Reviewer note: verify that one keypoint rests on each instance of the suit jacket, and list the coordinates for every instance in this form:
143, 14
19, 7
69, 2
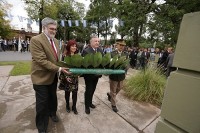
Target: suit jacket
43, 68
91, 50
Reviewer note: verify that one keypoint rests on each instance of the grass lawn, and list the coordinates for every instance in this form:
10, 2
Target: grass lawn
20, 67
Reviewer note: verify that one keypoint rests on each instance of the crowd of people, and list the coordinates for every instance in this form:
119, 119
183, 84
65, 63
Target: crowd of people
140, 58
45, 73
14, 44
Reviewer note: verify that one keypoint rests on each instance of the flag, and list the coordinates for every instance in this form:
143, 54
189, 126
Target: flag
29, 21
121, 23
70, 23
10, 16
76, 22
84, 23
37, 22
101, 23
60, 43
19, 45
110, 23
20, 18
62, 23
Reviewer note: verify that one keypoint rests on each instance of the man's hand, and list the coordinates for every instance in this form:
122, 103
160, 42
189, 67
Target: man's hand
65, 70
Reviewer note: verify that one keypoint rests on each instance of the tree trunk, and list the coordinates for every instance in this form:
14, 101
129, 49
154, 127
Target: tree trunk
41, 14
136, 37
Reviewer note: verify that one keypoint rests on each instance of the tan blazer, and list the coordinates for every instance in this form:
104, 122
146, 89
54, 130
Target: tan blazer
43, 68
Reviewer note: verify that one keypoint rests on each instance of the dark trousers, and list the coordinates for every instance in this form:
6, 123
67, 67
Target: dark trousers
90, 86
46, 103
74, 97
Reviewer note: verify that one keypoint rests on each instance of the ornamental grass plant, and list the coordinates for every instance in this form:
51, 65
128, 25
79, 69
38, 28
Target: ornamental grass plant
147, 85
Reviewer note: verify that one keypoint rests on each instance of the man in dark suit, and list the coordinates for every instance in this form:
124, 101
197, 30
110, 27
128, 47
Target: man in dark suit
133, 57
45, 53
91, 79
144, 58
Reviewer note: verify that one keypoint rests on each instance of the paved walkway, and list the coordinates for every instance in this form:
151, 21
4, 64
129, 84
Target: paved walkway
14, 56
17, 110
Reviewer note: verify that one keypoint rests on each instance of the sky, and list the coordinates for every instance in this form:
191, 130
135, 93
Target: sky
18, 10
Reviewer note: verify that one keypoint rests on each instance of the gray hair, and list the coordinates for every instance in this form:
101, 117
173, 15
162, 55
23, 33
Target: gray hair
93, 36
46, 21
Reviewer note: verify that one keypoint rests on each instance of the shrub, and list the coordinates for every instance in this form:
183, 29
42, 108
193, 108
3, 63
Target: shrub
147, 85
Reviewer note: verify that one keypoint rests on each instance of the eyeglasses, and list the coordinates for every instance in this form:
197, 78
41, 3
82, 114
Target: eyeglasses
53, 29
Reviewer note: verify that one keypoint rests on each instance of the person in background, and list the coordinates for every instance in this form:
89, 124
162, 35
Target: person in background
163, 59
169, 63
27, 45
116, 80
15, 43
69, 83
144, 59
91, 80
133, 57
45, 53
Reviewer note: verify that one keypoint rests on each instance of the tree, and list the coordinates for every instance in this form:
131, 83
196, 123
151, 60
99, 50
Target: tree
134, 13
59, 10
167, 18
100, 17
5, 29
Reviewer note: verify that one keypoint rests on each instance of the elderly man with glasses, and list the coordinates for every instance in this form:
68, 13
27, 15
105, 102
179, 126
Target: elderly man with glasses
45, 53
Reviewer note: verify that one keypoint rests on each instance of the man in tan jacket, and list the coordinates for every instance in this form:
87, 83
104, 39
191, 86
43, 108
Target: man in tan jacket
44, 49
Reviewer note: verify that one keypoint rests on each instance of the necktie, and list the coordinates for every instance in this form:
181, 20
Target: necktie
55, 54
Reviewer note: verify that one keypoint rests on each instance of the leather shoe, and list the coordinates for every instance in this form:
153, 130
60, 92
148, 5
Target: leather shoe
114, 108
74, 110
109, 97
41, 132
87, 110
54, 118
67, 108
92, 106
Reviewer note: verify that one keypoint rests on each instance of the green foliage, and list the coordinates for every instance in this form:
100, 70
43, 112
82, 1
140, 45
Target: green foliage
147, 86
76, 60
5, 29
95, 60
58, 9
106, 59
165, 22
20, 68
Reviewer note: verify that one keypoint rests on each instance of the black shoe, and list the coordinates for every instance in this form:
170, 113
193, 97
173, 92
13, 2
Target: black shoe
109, 97
68, 108
114, 108
87, 110
92, 106
74, 110
54, 118
41, 132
